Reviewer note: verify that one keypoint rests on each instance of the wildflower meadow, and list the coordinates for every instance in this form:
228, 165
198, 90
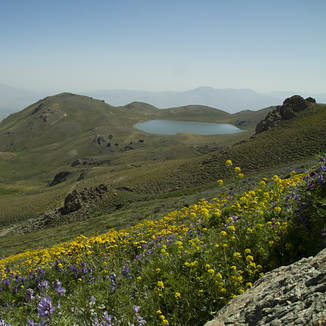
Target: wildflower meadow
179, 270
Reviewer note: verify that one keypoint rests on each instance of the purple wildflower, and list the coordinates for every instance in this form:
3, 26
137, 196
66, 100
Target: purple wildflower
43, 286
125, 271
138, 319
2, 323
29, 295
45, 308
6, 282
58, 288
114, 282
107, 317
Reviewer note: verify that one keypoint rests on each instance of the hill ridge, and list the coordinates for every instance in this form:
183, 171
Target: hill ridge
96, 143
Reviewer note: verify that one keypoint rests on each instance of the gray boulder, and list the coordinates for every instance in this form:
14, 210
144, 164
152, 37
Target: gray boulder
289, 295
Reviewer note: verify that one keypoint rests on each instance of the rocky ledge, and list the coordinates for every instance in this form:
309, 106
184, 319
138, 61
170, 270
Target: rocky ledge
289, 110
289, 295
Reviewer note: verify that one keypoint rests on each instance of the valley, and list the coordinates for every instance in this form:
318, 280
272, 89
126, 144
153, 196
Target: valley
69, 145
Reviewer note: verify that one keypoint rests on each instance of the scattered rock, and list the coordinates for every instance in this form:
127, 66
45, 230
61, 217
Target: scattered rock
99, 140
63, 176
77, 162
76, 199
289, 295
48, 115
125, 188
127, 148
82, 176
89, 161
289, 110
38, 108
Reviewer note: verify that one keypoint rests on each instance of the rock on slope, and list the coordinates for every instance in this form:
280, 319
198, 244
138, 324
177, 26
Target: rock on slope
289, 110
289, 295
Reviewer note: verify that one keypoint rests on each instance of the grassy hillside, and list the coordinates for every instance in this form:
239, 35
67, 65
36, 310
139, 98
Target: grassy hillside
90, 139
52, 134
167, 244
178, 270
296, 140
60, 128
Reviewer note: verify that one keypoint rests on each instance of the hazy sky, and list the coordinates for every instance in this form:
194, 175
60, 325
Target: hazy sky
164, 45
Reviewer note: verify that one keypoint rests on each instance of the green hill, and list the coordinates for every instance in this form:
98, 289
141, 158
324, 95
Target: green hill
67, 144
68, 122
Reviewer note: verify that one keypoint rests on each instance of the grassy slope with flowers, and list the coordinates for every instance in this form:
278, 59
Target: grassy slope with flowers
179, 270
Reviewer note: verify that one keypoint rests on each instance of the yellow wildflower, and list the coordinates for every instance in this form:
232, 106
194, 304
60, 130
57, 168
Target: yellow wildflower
160, 284
236, 255
277, 210
228, 163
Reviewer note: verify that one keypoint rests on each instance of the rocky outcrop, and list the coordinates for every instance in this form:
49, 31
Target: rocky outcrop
289, 110
64, 176
78, 206
127, 148
99, 140
77, 199
48, 115
289, 295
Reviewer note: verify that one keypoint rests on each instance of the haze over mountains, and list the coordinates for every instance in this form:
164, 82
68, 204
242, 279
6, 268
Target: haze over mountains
229, 100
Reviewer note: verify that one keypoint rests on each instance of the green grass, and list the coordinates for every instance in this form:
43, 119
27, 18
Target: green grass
134, 209
4, 191
160, 167
179, 270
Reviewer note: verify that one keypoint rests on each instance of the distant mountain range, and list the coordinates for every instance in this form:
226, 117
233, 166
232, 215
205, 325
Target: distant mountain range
229, 100
14, 99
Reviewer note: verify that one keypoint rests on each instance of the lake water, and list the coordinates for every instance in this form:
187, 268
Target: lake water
173, 127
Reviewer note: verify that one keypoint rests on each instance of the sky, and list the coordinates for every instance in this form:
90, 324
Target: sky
166, 45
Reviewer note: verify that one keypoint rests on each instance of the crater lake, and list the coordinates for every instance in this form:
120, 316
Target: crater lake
173, 127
